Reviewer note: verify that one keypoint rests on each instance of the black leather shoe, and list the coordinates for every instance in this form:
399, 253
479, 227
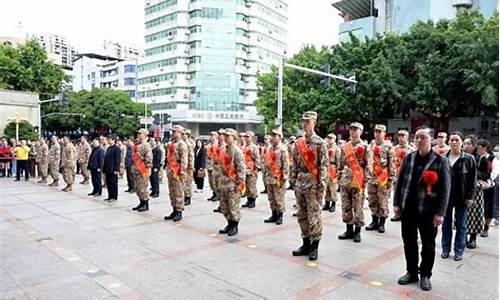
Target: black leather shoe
305, 249
471, 244
112, 200
381, 225
445, 254
484, 233
457, 257
246, 203
155, 196
252, 203
395, 219
408, 278
90, 194
425, 283
97, 195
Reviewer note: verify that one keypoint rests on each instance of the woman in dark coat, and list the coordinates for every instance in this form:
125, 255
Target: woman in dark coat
200, 159
484, 168
462, 196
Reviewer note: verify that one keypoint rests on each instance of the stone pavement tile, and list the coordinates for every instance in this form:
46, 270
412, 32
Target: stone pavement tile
42, 274
35, 258
107, 218
8, 199
6, 282
75, 287
16, 294
64, 207
11, 237
356, 290
25, 211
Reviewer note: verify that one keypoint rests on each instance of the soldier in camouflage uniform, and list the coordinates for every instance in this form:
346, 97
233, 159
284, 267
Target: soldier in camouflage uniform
241, 140
289, 148
221, 141
68, 161
211, 150
177, 162
141, 169
232, 182
400, 151
310, 175
188, 179
263, 151
123, 153
42, 157
381, 175
54, 160
351, 172
162, 159
333, 152
276, 162
83, 159
252, 160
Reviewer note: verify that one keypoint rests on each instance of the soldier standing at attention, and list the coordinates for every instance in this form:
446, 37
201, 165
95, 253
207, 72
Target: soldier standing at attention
211, 149
441, 148
218, 164
54, 160
232, 182
352, 164
68, 160
381, 176
252, 161
188, 178
123, 155
83, 159
276, 161
333, 152
43, 160
177, 161
310, 176
141, 169
401, 150
263, 151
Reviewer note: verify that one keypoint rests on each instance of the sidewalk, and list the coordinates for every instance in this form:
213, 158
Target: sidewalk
56, 245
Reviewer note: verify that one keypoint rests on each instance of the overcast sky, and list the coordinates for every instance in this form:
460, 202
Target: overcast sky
86, 23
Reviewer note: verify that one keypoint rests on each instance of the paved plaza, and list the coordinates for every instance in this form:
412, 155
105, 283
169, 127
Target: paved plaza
56, 245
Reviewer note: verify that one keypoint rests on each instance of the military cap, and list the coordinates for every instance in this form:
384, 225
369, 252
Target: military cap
249, 133
213, 132
267, 137
293, 138
357, 125
310, 115
241, 134
187, 131
221, 131
231, 131
178, 128
276, 132
380, 127
402, 131
331, 136
142, 130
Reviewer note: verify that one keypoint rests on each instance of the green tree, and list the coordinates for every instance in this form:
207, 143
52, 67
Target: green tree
26, 131
27, 68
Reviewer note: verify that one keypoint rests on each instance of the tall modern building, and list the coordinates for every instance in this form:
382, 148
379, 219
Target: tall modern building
201, 59
120, 50
58, 49
367, 18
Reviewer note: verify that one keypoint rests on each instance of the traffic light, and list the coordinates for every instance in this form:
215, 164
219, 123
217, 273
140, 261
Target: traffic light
324, 80
350, 87
156, 119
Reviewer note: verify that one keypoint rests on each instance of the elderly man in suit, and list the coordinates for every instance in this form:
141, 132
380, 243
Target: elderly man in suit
111, 168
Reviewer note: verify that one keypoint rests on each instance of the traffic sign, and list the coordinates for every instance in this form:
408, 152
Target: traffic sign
146, 120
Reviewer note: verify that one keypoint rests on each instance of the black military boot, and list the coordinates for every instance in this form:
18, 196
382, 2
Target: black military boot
144, 207
217, 210
225, 230
170, 217
252, 203
313, 255
279, 219
233, 230
326, 206
272, 218
373, 225
381, 225
212, 197
348, 234
187, 201
305, 249
247, 204
178, 216
141, 202
357, 234
332, 207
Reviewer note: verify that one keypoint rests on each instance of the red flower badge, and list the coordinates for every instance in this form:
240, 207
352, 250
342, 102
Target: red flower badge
430, 177
401, 154
377, 150
330, 152
360, 151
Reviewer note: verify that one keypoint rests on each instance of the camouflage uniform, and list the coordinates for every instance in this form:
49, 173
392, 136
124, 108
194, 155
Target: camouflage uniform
251, 155
42, 158
54, 162
308, 190
162, 159
188, 178
333, 152
263, 150
140, 181
83, 159
210, 168
217, 172
179, 151
400, 152
123, 153
289, 148
441, 150
68, 161
277, 188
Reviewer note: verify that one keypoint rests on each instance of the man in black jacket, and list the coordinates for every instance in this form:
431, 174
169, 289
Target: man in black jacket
112, 168
96, 160
155, 171
421, 199
128, 165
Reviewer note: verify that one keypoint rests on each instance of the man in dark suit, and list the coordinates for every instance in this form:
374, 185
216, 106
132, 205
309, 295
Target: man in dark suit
96, 160
128, 165
111, 168
420, 199
155, 171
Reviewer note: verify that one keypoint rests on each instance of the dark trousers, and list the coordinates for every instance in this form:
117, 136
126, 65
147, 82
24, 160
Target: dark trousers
488, 196
22, 165
112, 185
461, 229
155, 182
411, 225
198, 180
130, 178
96, 181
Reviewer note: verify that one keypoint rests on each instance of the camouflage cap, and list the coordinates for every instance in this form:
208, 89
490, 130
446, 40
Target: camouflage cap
331, 136
293, 138
356, 125
231, 131
213, 132
380, 127
403, 132
310, 115
144, 131
241, 134
267, 137
221, 131
249, 133
276, 132
178, 128
187, 131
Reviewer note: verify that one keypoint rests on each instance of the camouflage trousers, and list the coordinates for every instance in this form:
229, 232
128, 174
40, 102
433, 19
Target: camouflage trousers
230, 203
331, 191
85, 172
309, 214
276, 196
161, 173
188, 183
176, 193
54, 171
352, 205
43, 169
251, 185
378, 198
211, 180
141, 185
122, 170
69, 175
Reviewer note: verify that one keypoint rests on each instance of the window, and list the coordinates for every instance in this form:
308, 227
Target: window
131, 94
92, 75
212, 13
129, 68
158, 92
160, 6
195, 44
159, 78
195, 13
160, 35
161, 20
195, 59
160, 49
157, 64
194, 29
129, 81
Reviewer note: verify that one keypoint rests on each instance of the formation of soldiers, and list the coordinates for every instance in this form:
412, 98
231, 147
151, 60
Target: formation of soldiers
315, 168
